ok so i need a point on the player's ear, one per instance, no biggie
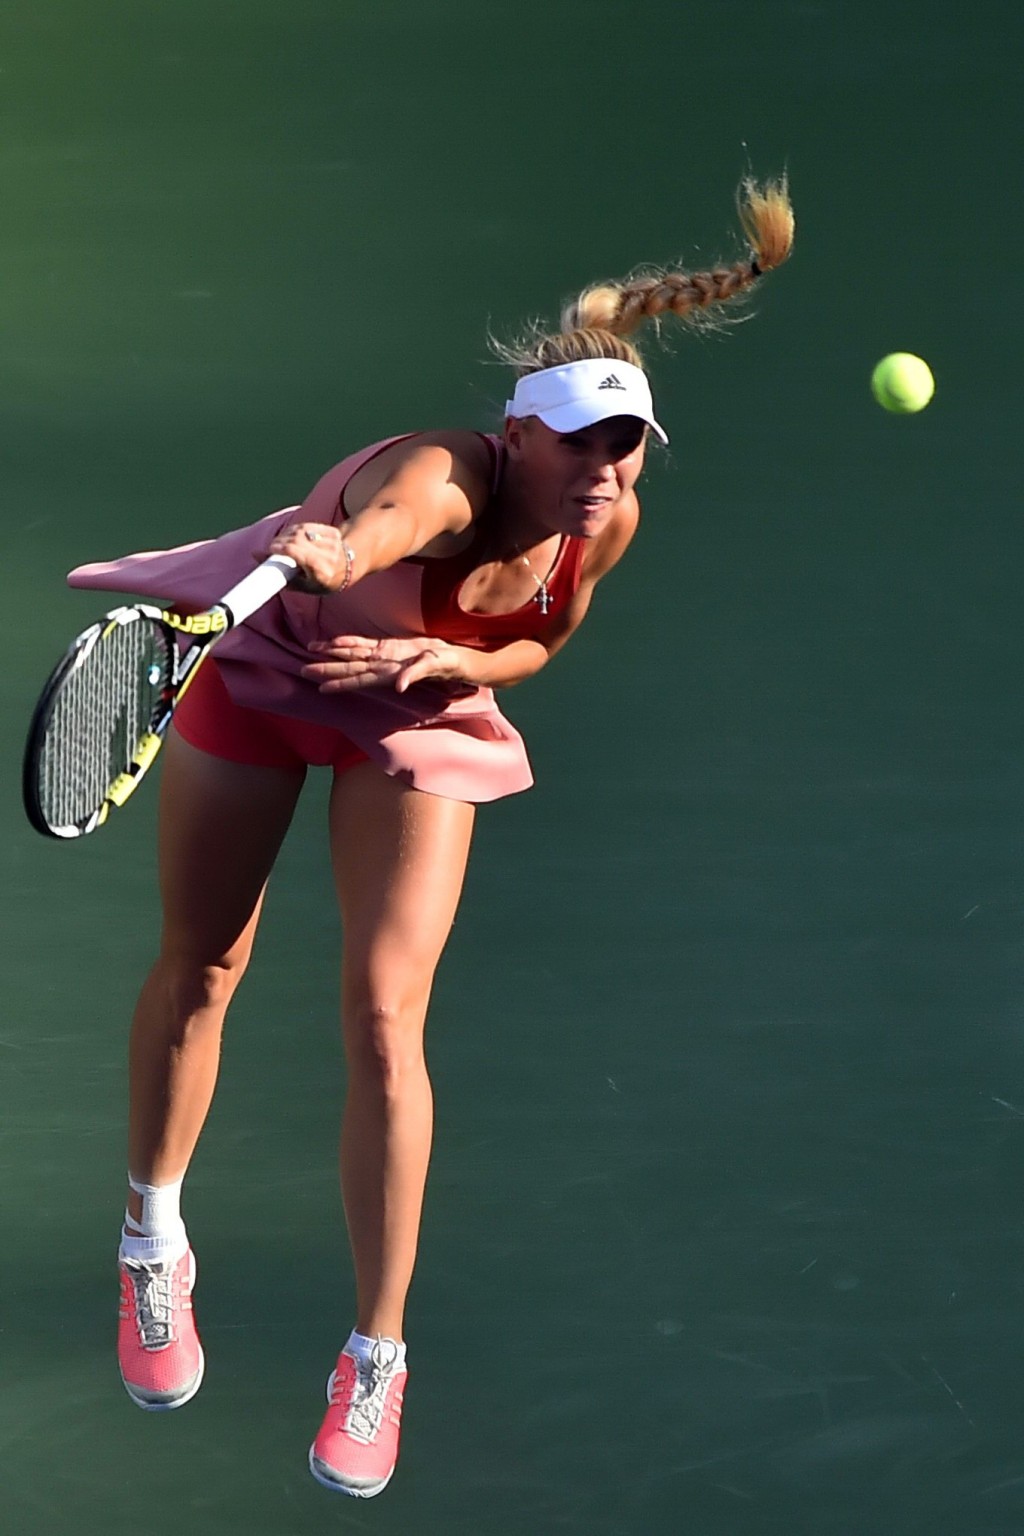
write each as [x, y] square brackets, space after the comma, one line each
[514, 435]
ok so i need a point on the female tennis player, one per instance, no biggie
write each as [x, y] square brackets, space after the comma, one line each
[434, 568]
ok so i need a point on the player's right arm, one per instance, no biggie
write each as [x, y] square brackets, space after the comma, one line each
[431, 488]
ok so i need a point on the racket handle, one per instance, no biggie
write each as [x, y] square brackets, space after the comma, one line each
[258, 587]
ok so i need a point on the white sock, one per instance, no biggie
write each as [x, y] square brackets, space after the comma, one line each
[159, 1236]
[362, 1347]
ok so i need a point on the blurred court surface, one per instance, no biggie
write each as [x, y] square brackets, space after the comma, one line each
[724, 1230]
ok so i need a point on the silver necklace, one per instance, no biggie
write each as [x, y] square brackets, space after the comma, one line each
[542, 597]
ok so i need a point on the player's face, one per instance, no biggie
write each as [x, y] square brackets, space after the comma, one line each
[575, 479]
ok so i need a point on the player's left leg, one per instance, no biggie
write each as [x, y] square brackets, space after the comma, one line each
[400, 858]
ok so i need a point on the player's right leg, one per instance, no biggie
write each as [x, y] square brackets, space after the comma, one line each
[221, 825]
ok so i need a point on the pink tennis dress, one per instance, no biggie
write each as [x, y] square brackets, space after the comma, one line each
[449, 740]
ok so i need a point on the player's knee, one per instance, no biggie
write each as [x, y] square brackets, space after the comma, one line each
[201, 988]
[384, 1043]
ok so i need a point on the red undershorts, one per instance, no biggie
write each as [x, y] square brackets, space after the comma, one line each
[208, 718]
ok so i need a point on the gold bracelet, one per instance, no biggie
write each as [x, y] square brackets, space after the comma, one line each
[350, 561]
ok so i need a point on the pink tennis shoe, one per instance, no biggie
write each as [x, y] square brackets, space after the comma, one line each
[158, 1349]
[357, 1447]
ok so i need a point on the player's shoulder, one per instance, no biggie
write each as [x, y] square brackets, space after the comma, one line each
[457, 459]
[426, 463]
[464, 452]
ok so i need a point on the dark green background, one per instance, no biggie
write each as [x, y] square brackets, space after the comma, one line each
[724, 1234]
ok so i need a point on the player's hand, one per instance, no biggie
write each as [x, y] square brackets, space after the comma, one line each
[354, 661]
[318, 551]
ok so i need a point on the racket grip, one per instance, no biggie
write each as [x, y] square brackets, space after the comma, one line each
[258, 587]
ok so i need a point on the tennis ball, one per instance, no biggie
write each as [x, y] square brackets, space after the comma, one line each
[902, 383]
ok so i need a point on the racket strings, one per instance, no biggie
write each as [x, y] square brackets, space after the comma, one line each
[109, 700]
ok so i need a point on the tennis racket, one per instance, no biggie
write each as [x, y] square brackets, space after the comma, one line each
[103, 714]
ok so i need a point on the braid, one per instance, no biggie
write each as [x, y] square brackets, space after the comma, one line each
[594, 323]
[676, 293]
[766, 215]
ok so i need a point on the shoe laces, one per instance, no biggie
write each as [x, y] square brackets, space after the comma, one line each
[153, 1295]
[370, 1391]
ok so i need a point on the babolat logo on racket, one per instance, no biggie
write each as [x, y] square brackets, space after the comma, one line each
[197, 623]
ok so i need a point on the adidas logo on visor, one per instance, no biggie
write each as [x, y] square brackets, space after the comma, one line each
[611, 382]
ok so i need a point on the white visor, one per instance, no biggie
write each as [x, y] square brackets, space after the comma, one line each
[575, 396]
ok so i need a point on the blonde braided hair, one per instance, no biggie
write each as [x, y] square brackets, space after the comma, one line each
[594, 324]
